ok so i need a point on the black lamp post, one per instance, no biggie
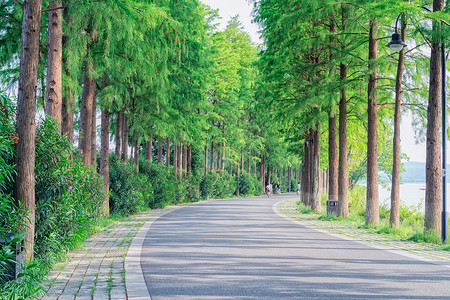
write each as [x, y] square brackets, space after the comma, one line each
[396, 44]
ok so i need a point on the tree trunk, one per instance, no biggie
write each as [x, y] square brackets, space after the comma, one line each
[212, 156]
[136, 152]
[180, 159]
[332, 159]
[238, 174]
[24, 184]
[104, 158]
[433, 194]
[149, 149]
[175, 159]
[206, 158]
[88, 98]
[289, 179]
[167, 152]
[118, 134]
[248, 162]
[394, 219]
[94, 135]
[343, 160]
[125, 133]
[67, 116]
[185, 157]
[160, 147]
[316, 190]
[261, 173]
[372, 201]
[53, 91]
[190, 159]
[67, 112]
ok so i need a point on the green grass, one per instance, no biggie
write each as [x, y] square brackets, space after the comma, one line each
[411, 221]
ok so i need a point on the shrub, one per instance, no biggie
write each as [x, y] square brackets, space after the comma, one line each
[217, 184]
[130, 192]
[248, 184]
[69, 195]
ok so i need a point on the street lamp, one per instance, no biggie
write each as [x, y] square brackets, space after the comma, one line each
[396, 44]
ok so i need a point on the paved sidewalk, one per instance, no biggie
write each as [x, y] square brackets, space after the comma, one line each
[98, 270]
[426, 252]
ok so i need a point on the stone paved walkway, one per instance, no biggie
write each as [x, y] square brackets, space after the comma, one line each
[98, 270]
[427, 252]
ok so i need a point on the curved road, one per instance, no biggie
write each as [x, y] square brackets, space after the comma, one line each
[240, 249]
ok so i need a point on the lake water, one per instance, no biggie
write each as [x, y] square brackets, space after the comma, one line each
[411, 194]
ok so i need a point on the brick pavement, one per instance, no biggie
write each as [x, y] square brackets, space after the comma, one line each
[97, 271]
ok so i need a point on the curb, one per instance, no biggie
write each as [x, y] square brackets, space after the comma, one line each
[135, 284]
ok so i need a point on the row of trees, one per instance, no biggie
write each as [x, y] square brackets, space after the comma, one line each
[164, 79]
[325, 65]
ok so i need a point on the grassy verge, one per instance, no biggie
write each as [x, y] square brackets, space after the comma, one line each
[411, 220]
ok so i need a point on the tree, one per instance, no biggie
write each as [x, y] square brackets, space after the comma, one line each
[26, 111]
[54, 63]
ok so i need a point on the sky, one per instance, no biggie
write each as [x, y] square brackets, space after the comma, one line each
[229, 8]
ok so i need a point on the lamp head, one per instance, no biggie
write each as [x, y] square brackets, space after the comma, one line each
[396, 44]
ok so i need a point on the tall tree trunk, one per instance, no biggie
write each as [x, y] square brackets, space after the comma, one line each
[185, 157]
[433, 194]
[212, 155]
[223, 157]
[372, 201]
[136, 152]
[160, 149]
[238, 174]
[67, 116]
[67, 111]
[175, 159]
[242, 162]
[125, 133]
[149, 149]
[262, 176]
[219, 157]
[118, 134]
[104, 158]
[230, 168]
[94, 135]
[88, 98]
[206, 158]
[167, 151]
[343, 160]
[332, 158]
[289, 179]
[190, 159]
[24, 184]
[394, 219]
[316, 190]
[248, 162]
[180, 159]
[53, 91]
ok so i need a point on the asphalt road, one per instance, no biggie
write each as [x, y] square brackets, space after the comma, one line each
[240, 249]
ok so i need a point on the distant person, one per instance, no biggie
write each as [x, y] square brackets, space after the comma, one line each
[298, 189]
[278, 188]
[268, 189]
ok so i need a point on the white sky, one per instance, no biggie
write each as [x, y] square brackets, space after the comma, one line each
[229, 8]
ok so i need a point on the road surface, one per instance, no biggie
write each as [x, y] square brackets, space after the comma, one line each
[241, 249]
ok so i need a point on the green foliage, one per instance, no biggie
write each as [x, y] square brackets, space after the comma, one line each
[249, 184]
[130, 192]
[217, 184]
[304, 209]
[8, 138]
[69, 196]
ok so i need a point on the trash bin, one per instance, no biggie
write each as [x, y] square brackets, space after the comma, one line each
[14, 259]
[332, 207]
